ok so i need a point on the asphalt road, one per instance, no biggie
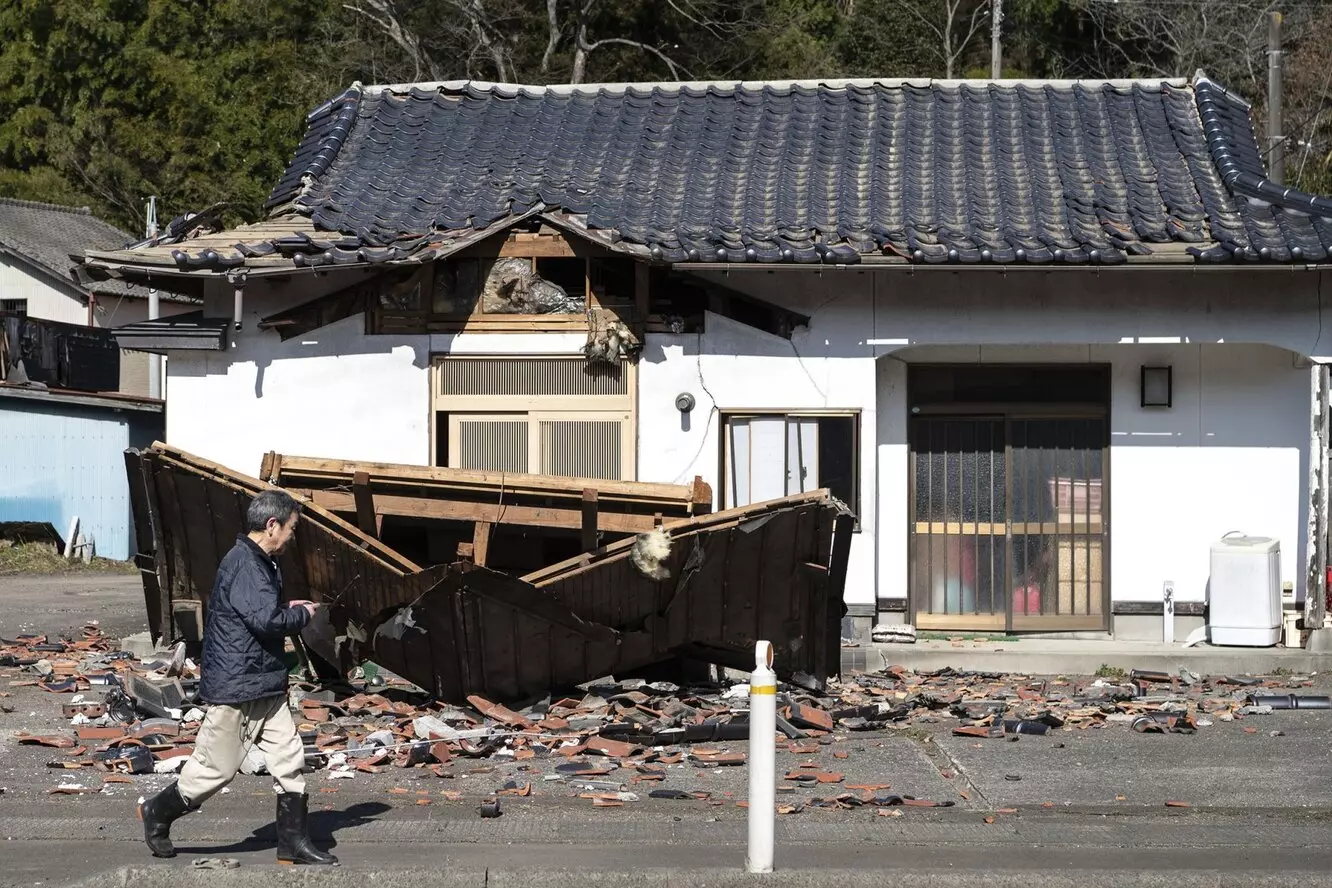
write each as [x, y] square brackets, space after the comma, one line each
[1083, 807]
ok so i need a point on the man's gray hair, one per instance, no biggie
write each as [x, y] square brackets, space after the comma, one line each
[270, 504]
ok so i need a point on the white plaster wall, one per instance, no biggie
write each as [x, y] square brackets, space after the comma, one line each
[733, 367]
[333, 392]
[1179, 479]
[1230, 454]
[46, 302]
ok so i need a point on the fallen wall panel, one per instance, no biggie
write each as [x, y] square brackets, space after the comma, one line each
[195, 512]
[763, 572]
[707, 586]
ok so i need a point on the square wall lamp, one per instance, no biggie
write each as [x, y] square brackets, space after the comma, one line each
[1156, 387]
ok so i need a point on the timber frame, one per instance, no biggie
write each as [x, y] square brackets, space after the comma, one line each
[598, 510]
[616, 287]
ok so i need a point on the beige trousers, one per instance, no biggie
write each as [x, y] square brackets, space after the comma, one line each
[228, 733]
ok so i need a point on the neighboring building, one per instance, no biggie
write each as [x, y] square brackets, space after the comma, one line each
[63, 457]
[37, 243]
[1048, 339]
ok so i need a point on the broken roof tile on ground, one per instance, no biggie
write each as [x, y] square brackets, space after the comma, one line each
[467, 626]
[607, 737]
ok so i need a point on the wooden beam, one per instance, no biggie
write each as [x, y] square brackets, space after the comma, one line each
[481, 542]
[700, 496]
[456, 510]
[642, 291]
[589, 519]
[365, 504]
[298, 471]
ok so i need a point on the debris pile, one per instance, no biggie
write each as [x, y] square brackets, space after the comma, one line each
[127, 716]
[608, 742]
[993, 705]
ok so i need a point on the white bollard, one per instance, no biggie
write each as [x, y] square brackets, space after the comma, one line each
[762, 760]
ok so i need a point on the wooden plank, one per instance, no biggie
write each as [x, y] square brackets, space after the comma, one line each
[481, 542]
[365, 504]
[681, 530]
[589, 523]
[642, 291]
[523, 598]
[961, 622]
[700, 496]
[297, 471]
[178, 460]
[1058, 622]
[445, 510]
[834, 591]
[143, 536]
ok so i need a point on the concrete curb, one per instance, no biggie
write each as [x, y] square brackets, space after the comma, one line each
[261, 877]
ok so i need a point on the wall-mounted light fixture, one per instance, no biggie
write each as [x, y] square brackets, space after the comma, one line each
[684, 402]
[1156, 387]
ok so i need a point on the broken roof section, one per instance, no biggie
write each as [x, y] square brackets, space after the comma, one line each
[48, 238]
[907, 171]
[699, 586]
[703, 588]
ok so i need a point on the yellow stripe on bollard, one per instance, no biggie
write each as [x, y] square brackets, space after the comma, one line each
[763, 689]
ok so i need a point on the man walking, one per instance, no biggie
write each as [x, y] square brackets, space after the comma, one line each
[244, 683]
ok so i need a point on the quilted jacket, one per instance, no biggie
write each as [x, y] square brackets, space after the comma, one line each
[246, 628]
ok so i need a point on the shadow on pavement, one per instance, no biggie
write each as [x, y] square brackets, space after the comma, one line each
[323, 827]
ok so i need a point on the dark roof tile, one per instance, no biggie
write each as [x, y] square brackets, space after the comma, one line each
[1081, 172]
[46, 235]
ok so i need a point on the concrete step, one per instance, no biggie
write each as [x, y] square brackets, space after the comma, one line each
[1036, 656]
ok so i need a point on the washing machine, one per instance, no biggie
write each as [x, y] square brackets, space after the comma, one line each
[1245, 591]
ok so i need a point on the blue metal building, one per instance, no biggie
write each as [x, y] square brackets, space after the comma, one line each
[62, 455]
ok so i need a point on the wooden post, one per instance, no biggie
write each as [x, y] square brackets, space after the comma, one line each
[589, 519]
[481, 542]
[365, 504]
[642, 292]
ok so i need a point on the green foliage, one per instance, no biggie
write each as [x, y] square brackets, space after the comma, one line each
[104, 102]
[1108, 671]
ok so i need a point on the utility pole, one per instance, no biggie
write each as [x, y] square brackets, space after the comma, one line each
[996, 49]
[154, 309]
[1276, 138]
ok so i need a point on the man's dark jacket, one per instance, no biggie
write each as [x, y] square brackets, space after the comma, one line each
[246, 628]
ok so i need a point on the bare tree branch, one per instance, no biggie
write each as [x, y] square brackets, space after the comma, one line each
[670, 63]
[553, 22]
[385, 16]
[949, 50]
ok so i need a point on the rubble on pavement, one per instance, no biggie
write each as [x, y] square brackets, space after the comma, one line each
[606, 742]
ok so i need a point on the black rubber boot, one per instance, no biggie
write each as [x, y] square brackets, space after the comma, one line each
[294, 845]
[157, 814]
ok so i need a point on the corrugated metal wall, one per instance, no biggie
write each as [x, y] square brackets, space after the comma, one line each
[62, 460]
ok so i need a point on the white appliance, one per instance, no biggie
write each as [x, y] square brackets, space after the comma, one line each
[1245, 598]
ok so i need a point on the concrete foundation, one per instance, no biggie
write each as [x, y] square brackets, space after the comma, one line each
[1132, 628]
[1084, 657]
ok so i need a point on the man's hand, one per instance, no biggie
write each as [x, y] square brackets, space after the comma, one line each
[310, 606]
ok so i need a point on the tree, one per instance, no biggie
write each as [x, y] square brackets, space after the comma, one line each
[955, 25]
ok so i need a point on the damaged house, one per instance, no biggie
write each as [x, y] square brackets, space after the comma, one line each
[1047, 341]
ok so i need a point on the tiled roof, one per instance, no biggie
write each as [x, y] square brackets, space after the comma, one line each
[47, 234]
[917, 171]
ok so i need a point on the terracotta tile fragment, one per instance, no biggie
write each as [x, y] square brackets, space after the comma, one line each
[501, 714]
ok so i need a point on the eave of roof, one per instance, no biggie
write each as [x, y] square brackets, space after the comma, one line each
[110, 400]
